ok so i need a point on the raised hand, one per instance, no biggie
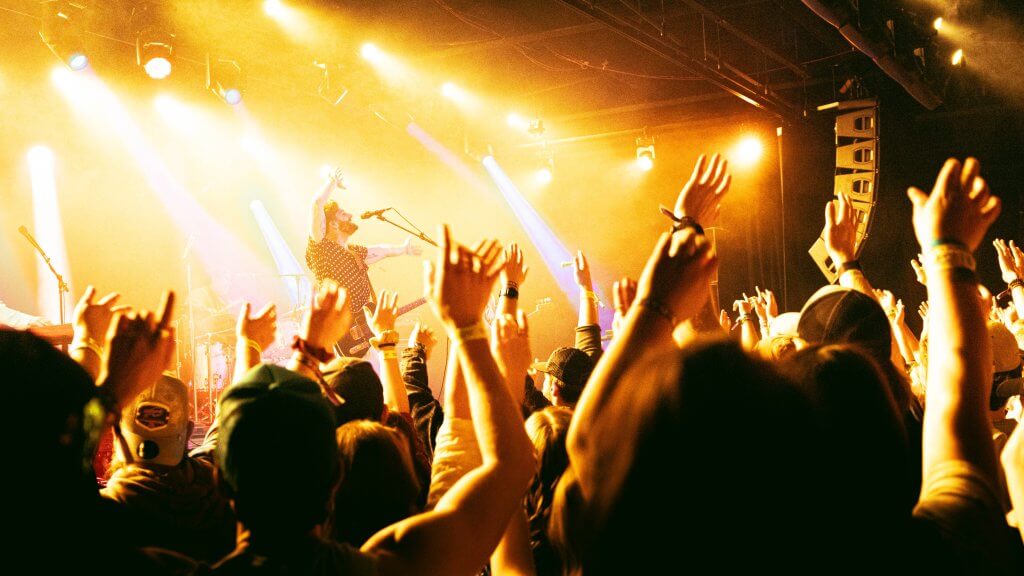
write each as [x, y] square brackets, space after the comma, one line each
[91, 320]
[623, 294]
[922, 311]
[581, 271]
[724, 321]
[411, 249]
[510, 346]
[459, 282]
[382, 318]
[1011, 260]
[423, 336]
[840, 231]
[919, 273]
[771, 304]
[959, 209]
[677, 273]
[886, 299]
[261, 328]
[701, 196]
[327, 318]
[743, 306]
[514, 272]
[140, 349]
[901, 312]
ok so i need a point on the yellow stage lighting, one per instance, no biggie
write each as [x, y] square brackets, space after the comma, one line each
[958, 57]
[275, 9]
[518, 122]
[747, 151]
[645, 163]
[543, 176]
[938, 24]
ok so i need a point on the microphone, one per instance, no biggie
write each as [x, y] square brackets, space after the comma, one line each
[24, 232]
[374, 213]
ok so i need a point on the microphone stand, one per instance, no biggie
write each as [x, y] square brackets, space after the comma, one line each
[62, 286]
[417, 232]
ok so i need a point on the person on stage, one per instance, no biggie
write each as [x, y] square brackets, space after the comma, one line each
[330, 255]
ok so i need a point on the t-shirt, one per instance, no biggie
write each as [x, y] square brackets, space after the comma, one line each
[345, 265]
[964, 511]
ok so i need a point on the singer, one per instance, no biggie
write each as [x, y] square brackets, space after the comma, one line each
[330, 255]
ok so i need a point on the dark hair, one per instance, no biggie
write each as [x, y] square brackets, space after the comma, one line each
[57, 421]
[277, 454]
[547, 429]
[379, 486]
[358, 384]
[868, 445]
[661, 446]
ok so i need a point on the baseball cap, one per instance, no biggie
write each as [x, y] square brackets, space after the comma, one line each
[358, 384]
[571, 366]
[837, 315]
[155, 424]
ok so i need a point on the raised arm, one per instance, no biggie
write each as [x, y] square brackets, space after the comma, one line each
[512, 277]
[840, 236]
[949, 224]
[253, 334]
[91, 322]
[317, 222]
[749, 331]
[459, 535]
[671, 290]
[588, 298]
[384, 341]
[1011, 264]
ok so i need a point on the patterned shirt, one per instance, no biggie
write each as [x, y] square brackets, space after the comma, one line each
[346, 266]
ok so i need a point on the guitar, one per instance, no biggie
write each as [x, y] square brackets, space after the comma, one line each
[357, 340]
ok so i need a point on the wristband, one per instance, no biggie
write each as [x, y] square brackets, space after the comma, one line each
[87, 344]
[681, 222]
[659, 309]
[510, 292]
[744, 318]
[387, 338]
[1016, 283]
[946, 241]
[250, 343]
[390, 353]
[949, 256]
[847, 266]
[590, 294]
[317, 353]
[475, 331]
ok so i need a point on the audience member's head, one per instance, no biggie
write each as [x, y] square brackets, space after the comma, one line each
[866, 444]
[1006, 377]
[356, 382]
[277, 456]
[547, 429]
[378, 487]
[565, 374]
[56, 422]
[706, 438]
[155, 424]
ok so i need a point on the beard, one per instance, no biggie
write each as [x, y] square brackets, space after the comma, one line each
[347, 228]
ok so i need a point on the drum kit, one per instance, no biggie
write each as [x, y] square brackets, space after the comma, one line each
[206, 354]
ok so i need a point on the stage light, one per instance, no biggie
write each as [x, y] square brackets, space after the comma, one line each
[518, 122]
[371, 52]
[452, 92]
[78, 61]
[958, 57]
[326, 170]
[224, 78]
[62, 30]
[543, 176]
[938, 24]
[47, 229]
[747, 151]
[645, 152]
[275, 9]
[158, 68]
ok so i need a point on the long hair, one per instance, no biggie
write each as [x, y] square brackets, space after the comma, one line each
[742, 491]
[378, 486]
[547, 429]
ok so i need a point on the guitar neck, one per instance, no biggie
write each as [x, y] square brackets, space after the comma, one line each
[410, 306]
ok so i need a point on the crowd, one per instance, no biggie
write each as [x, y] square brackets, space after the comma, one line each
[829, 439]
